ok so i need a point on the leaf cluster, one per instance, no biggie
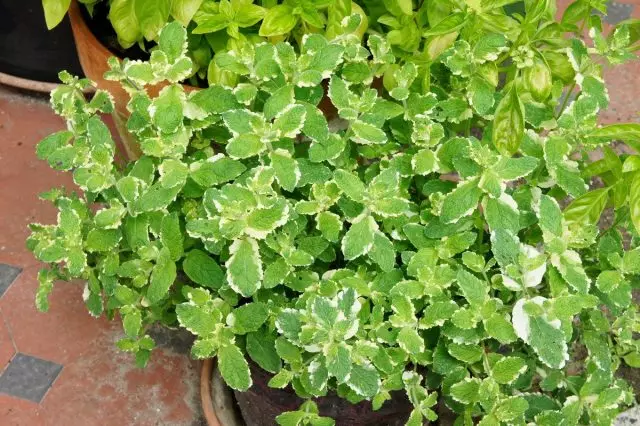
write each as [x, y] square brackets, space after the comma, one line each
[451, 233]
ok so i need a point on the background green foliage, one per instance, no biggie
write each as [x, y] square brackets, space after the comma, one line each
[452, 233]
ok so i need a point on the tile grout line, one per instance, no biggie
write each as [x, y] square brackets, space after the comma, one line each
[9, 331]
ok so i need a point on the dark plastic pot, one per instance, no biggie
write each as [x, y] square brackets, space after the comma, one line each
[261, 404]
[30, 55]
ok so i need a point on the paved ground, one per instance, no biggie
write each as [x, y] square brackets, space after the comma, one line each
[62, 368]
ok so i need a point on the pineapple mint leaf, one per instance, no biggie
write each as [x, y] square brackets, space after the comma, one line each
[244, 267]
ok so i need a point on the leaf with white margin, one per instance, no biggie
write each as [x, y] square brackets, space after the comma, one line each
[245, 145]
[570, 267]
[234, 368]
[290, 121]
[364, 380]
[329, 224]
[424, 162]
[244, 267]
[359, 238]
[261, 222]
[461, 202]
[545, 337]
[508, 369]
[367, 134]
[286, 168]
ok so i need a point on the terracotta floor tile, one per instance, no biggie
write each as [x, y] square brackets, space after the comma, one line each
[105, 384]
[62, 334]
[18, 412]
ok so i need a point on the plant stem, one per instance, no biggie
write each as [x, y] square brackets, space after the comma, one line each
[566, 100]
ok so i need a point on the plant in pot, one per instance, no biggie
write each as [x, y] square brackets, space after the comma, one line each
[429, 245]
[213, 26]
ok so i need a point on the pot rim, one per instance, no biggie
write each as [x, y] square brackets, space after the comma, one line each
[80, 27]
[27, 84]
[218, 403]
[205, 393]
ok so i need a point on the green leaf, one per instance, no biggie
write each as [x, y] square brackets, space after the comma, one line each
[247, 14]
[132, 323]
[339, 361]
[262, 350]
[502, 213]
[54, 11]
[203, 269]
[508, 124]
[489, 47]
[587, 209]
[215, 170]
[546, 338]
[628, 132]
[281, 380]
[473, 289]
[245, 145]
[508, 369]
[364, 380]
[102, 240]
[197, 319]
[550, 215]
[350, 184]
[52, 143]
[383, 252]
[152, 15]
[124, 21]
[511, 408]
[449, 24]
[634, 201]
[424, 162]
[215, 99]
[234, 368]
[329, 224]
[171, 236]
[410, 341]
[515, 168]
[277, 21]
[461, 202]
[366, 134]
[162, 277]
[500, 328]
[290, 121]
[286, 168]
[244, 267]
[45, 287]
[466, 353]
[466, 391]
[278, 102]
[437, 313]
[183, 10]
[173, 41]
[359, 238]
[261, 222]
[505, 246]
[248, 318]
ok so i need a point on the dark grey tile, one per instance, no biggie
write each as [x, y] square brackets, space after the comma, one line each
[28, 377]
[617, 12]
[8, 274]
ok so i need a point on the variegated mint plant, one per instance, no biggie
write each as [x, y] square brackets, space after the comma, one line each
[463, 231]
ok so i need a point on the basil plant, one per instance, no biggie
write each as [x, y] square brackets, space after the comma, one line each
[468, 236]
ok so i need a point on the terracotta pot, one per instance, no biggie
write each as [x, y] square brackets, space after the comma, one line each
[93, 57]
[261, 404]
[217, 400]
